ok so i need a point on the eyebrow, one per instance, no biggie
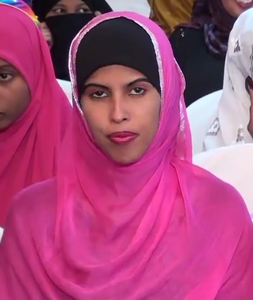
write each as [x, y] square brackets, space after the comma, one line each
[143, 79]
[93, 84]
[8, 66]
[82, 4]
[59, 5]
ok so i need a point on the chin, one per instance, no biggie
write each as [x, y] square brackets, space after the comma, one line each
[238, 12]
[124, 160]
[3, 127]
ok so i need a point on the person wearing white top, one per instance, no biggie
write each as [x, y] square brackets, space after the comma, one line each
[233, 121]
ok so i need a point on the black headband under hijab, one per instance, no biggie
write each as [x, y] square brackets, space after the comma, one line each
[42, 7]
[117, 41]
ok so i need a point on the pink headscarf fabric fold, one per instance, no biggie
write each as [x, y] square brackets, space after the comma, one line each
[158, 229]
[29, 147]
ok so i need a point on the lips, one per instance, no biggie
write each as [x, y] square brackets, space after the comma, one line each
[121, 138]
[244, 4]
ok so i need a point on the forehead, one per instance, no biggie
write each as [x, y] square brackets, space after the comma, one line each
[5, 65]
[71, 2]
[4, 62]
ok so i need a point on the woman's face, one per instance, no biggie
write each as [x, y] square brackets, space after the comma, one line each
[64, 7]
[236, 7]
[122, 110]
[14, 94]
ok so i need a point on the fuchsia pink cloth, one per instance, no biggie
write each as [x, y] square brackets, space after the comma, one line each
[160, 229]
[30, 146]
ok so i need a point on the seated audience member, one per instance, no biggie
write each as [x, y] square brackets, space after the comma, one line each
[128, 215]
[34, 111]
[233, 120]
[61, 21]
[169, 13]
[200, 47]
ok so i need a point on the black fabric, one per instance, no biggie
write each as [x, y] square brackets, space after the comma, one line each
[42, 7]
[203, 71]
[62, 37]
[64, 28]
[98, 5]
[118, 41]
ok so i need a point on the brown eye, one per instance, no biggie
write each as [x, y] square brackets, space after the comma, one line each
[137, 91]
[99, 94]
[5, 76]
[84, 11]
[59, 11]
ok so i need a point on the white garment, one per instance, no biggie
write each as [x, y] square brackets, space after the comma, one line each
[232, 164]
[230, 124]
[66, 86]
[201, 114]
[139, 6]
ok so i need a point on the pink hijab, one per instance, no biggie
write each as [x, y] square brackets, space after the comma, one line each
[29, 147]
[159, 229]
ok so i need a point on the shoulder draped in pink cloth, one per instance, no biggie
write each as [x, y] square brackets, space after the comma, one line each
[159, 229]
[30, 146]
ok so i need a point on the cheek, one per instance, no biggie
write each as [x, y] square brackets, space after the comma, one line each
[22, 98]
[18, 99]
[95, 118]
[14, 100]
[232, 8]
[149, 114]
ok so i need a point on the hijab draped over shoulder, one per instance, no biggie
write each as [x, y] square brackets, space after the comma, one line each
[30, 146]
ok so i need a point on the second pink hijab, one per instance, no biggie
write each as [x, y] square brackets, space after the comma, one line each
[160, 229]
[29, 147]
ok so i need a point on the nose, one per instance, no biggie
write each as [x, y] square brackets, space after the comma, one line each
[70, 10]
[119, 111]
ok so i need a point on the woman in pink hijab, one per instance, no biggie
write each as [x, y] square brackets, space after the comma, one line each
[128, 216]
[34, 111]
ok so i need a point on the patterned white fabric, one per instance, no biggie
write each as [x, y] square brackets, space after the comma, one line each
[201, 114]
[232, 117]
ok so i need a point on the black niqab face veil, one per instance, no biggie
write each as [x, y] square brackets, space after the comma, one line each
[64, 28]
[42, 7]
[117, 41]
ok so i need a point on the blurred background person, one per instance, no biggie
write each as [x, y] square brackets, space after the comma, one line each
[61, 21]
[34, 111]
[169, 13]
[233, 119]
[200, 46]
